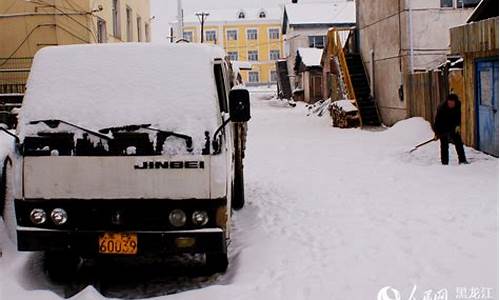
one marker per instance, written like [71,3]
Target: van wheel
[238,196]
[62,266]
[217,262]
[3,189]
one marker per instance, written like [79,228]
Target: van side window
[221,89]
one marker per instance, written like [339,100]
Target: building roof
[311,57]
[252,15]
[339,12]
[486,9]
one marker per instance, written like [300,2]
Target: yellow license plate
[118,243]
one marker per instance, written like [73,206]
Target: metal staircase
[361,86]
[352,81]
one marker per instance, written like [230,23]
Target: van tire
[238,196]
[216,262]
[61,266]
[3,188]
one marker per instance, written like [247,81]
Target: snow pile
[311,57]
[407,131]
[7,144]
[345,105]
[332,214]
[98,86]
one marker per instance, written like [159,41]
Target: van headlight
[177,218]
[200,218]
[59,216]
[38,216]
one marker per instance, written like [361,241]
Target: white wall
[299,38]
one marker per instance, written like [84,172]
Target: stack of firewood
[343,119]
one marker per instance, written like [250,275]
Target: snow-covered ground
[331,214]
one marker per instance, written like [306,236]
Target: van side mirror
[239,105]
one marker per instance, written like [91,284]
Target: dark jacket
[447,119]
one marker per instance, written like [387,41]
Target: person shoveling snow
[447,127]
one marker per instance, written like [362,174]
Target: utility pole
[171,37]
[202,16]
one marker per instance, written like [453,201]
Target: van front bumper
[86,243]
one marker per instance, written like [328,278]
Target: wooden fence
[475,37]
[425,91]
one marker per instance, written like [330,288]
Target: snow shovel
[422,144]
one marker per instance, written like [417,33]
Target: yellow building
[252,35]
[26,26]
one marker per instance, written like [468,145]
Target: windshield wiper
[124,128]
[162,134]
[54,123]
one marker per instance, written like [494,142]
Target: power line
[24,41]
[254,45]
[42,2]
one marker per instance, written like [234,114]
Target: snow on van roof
[169,86]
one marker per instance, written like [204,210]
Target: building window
[252,34]
[446,3]
[130,37]
[274,34]
[253,55]
[241,15]
[147,32]
[211,36]
[467,3]
[253,77]
[274,76]
[188,36]
[232,35]
[139,29]
[233,55]
[317,41]
[274,55]
[116,19]
[459,3]
[262,14]
[101,31]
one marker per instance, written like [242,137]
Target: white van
[127,150]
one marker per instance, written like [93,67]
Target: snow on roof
[311,57]
[170,86]
[340,12]
[232,15]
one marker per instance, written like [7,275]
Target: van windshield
[128,140]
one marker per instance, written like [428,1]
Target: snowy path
[336,214]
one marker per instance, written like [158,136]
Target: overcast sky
[166,10]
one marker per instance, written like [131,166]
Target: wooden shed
[477,43]
[310,73]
